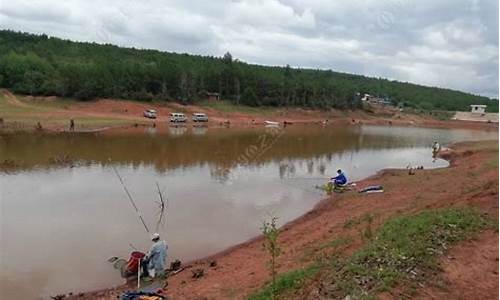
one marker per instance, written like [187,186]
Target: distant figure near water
[436,147]
[71,125]
[435,150]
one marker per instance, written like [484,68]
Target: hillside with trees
[42,65]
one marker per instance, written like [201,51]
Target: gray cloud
[446,43]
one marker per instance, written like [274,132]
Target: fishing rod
[130,198]
[306,189]
[307,178]
[162,205]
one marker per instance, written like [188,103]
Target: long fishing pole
[162,206]
[309,190]
[306,178]
[130,198]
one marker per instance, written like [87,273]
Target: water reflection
[177,130]
[199,129]
[222,147]
[287,169]
[151,130]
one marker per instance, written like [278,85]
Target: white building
[477,108]
[372,99]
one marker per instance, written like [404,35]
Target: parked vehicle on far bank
[200,117]
[178,117]
[150,113]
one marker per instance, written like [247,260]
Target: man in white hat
[157,256]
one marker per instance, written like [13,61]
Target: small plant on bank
[271,234]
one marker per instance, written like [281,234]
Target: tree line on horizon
[41,65]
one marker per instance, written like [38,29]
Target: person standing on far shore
[435,150]
[436,147]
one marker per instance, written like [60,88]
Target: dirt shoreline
[22,128]
[22,114]
[241,268]
[15,126]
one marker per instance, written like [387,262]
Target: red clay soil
[132,112]
[470,270]
[471,180]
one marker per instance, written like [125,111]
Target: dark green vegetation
[404,252]
[41,65]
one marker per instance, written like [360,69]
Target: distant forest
[42,65]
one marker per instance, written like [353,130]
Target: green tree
[42,65]
[249,97]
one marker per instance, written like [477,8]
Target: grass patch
[334,244]
[493,163]
[81,122]
[98,121]
[442,115]
[405,251]
[285,282]
[228,107]
[353,222]
[338,242]
[48,102]
[35,110]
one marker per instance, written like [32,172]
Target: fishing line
[162,204]
[310,190]
[306,178]
[130,198]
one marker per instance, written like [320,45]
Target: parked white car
[178,117]
[200,117]
[150,113]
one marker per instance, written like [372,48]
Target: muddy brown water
[64,213]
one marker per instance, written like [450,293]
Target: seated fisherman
[154,263]
[340,179]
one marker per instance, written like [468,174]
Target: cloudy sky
[446,43]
